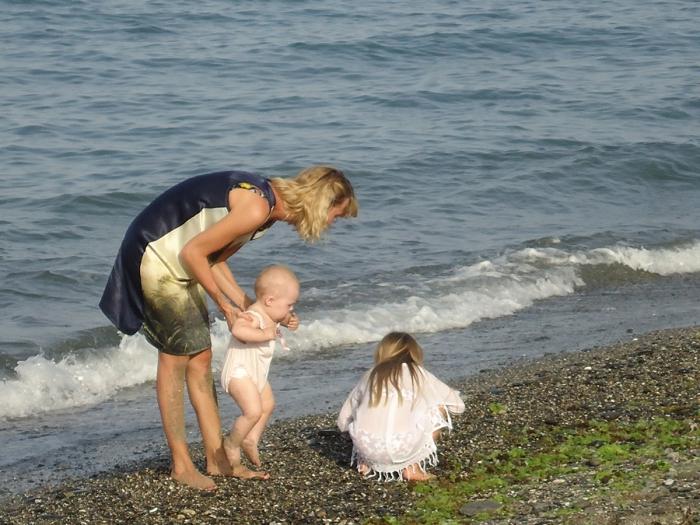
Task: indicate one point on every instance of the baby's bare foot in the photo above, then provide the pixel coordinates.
(250, 449)
(221, 465)
(195, 479)
(233, 453)
(242, 472)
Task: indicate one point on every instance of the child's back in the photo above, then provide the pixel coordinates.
(397, 431)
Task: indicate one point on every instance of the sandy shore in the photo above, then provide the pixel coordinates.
(652, 376)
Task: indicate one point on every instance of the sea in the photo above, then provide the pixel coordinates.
(528, 175)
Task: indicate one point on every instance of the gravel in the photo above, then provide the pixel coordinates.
(655, 375)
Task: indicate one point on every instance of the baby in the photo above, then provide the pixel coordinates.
(244, 374)
(395, 412)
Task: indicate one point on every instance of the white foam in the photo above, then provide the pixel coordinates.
(665, 261)
(487, 289)
(431, 314)
(44, 385)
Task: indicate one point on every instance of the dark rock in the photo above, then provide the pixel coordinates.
(476, 507)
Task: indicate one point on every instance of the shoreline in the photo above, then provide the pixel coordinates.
(656, 375)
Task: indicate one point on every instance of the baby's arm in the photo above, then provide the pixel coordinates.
(291, 322)
(246, 329)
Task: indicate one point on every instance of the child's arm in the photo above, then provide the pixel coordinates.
(443, 394)
(347, 411)
(345, 415)
(246, 329)
(291, 322)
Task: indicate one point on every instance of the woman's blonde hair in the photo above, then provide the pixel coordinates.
(308, 197)
(392, 352)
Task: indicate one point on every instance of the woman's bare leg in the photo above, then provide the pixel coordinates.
(170, 387)
(245, 393)
(200, 387)
(249, 446)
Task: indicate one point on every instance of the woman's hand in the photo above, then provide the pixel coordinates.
(230, 312)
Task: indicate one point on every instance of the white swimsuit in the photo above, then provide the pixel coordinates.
(248, 359)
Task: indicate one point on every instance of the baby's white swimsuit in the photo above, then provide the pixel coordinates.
(248, 359)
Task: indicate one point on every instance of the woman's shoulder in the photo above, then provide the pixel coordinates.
(255, 205)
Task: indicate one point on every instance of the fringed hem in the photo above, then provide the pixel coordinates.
(395, 474)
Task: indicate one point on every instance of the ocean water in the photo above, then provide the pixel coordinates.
(528, 176)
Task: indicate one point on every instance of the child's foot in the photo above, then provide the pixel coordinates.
(242, 472)
(250, 449)
(195, 479)
(221, 465)
(233, 453)
(416, 474)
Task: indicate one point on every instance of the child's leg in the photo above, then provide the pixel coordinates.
(250, 442)
(245, 393)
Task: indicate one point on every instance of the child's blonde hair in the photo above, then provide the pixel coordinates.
(395, 349)
(308, 197)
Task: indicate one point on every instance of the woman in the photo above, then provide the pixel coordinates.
(174, 251)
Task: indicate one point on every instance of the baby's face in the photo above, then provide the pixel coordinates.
(282, 303)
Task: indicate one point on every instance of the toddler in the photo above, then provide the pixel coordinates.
(395, 412)
(244, 374)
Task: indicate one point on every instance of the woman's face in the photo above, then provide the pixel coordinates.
(339, 210)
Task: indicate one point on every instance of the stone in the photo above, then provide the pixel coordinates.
(476, 507)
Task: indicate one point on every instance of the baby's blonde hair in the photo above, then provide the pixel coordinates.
(395, 349)
(273, 280)
(308, 197)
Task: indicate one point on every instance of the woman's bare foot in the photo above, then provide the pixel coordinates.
(414, 473)
(250, 449)
(362, 469)
(242, 472)
(195, 479)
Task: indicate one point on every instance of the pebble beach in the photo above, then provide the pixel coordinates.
(653, 377)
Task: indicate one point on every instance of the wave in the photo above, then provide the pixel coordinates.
(467, 294)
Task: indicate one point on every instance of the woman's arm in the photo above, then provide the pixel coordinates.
(248, 212)
(229, 286)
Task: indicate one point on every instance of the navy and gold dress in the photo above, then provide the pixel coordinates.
(148, 286)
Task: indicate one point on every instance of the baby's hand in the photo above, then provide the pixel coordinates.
(291, 321)
(270, 332)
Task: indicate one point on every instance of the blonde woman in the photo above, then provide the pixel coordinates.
(395, 412)
(174, 251)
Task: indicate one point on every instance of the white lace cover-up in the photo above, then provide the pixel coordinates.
(392, 436)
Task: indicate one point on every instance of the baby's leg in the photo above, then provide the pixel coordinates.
(250, 442)
(246, 395)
